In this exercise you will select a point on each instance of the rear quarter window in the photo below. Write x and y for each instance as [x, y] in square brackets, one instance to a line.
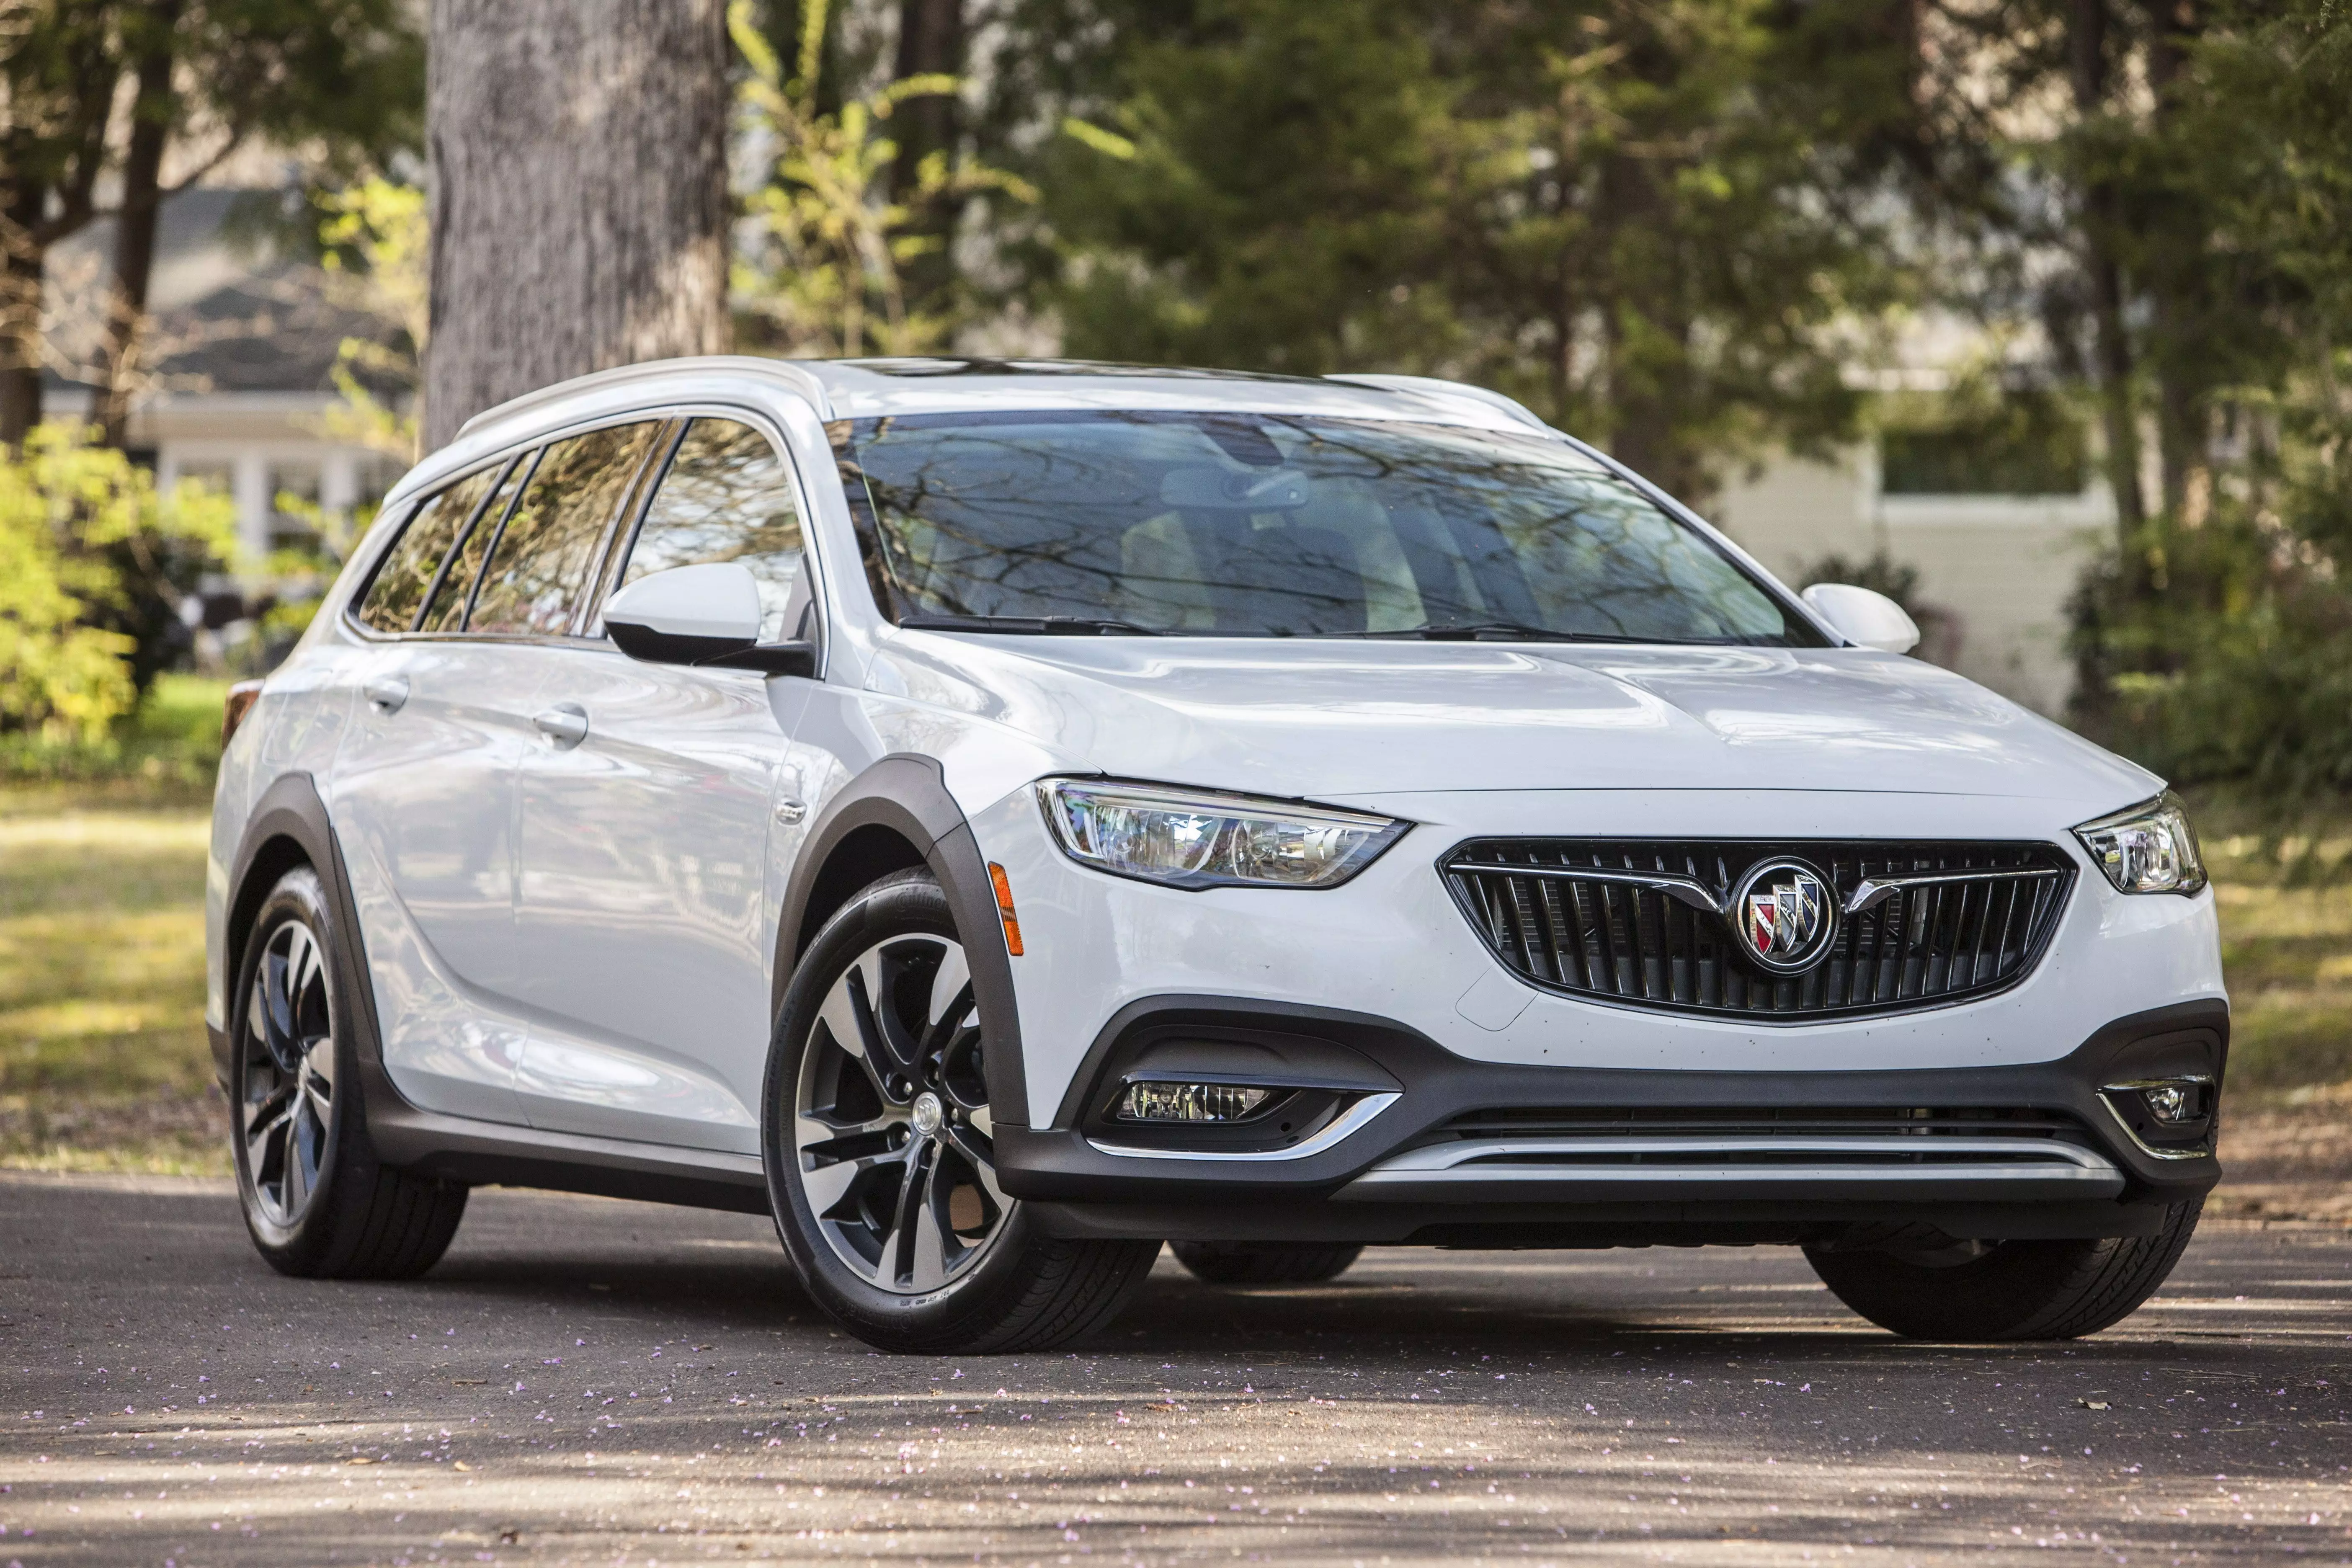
[396, 597]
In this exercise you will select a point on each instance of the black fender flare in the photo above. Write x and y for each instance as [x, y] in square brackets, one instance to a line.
[908, 796]
[288, 825]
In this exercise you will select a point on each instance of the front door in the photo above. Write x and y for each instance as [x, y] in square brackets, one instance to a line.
[639, 912]
[643, 919]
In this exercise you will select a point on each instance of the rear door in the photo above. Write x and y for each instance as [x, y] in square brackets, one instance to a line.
[644, 923]
[423, 799]
[427, 786]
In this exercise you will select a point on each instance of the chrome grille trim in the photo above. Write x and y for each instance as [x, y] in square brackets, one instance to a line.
[1646, 922]
[1986, 1155]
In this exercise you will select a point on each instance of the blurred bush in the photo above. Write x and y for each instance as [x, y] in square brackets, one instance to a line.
[95, 563]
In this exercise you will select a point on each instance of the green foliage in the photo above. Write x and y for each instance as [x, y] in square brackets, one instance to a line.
[163, 752]
[2027, 442]
[1625, 214]
[375, 249]
[2216, 644]
[828, 275]
[92, 558]
[2231, 666]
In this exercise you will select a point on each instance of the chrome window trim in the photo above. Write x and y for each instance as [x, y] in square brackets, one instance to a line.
[812, 548]
[770, 430]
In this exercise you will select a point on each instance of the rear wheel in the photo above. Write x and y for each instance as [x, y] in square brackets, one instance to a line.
[1264, 1262]
[317, 1202]
[881, 1155]
[1986, 1291]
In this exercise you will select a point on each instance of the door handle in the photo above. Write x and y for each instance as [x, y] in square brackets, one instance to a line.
[387, 691]
[566, 725]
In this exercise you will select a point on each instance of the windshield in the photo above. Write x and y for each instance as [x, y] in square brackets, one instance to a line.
[1277, 525]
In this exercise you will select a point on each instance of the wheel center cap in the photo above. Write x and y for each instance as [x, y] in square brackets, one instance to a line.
[928, 1113]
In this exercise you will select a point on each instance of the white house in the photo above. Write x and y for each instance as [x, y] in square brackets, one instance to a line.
[1998, 568]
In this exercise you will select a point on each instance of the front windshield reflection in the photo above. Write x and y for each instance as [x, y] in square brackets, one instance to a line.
[1277, 525]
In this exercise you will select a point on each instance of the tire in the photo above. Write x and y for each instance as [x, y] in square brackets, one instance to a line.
[875, 1133]
[317, 1202]
[1264, 1262]
[2004, 1290]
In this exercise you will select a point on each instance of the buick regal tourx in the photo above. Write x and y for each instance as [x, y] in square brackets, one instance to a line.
[999, 818]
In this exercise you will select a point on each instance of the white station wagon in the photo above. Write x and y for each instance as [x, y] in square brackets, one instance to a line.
[999, 818]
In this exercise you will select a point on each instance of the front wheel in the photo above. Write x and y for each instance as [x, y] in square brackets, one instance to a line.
[880, 1153]
[1989, 1291]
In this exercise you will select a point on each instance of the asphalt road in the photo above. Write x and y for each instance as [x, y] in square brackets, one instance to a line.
[594, 1381]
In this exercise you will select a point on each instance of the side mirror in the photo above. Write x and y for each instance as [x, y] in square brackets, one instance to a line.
[1870, 618]
[706, 615]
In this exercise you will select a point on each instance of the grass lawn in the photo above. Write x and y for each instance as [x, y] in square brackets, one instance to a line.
[2288, 952]
[103, 1064]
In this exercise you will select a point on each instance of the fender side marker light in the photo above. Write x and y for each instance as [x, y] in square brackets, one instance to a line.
[1004, 908]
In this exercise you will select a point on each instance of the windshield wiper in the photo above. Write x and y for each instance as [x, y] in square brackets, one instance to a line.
[1500, 631]
[1028, 626]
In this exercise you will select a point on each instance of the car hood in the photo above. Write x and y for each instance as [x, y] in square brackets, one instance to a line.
[1307, 718]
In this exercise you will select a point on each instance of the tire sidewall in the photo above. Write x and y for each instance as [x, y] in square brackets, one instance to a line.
[298, 897]
[908, 904]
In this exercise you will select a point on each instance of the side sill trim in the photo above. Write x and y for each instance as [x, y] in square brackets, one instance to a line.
[1349, 1122]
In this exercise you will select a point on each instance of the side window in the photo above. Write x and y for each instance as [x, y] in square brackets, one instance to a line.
[542, 557]
[401, 582]
[727, 497]
[447, 613]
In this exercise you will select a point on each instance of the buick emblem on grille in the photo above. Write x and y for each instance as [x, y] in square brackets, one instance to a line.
[1785, 915]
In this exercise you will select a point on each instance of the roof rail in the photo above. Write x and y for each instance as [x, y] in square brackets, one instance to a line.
[1435, 386]
[796, 375]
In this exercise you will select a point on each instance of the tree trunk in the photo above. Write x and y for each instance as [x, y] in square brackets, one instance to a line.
[152, 114]
[20, 314]
[2183, 372]
[931, 41]
[2101, 218]
[578, 173]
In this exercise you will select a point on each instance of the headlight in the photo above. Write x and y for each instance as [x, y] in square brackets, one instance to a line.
[1198, 840]
[2150, 848]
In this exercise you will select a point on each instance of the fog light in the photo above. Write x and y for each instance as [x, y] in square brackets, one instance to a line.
[1189, 1101]
[2174, 1103]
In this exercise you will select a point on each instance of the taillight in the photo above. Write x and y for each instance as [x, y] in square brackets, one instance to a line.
[240, 702]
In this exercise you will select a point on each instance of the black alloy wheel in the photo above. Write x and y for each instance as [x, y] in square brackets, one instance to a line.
[879, 1142]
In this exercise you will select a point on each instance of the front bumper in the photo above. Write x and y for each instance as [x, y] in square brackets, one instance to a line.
[1436, 1148]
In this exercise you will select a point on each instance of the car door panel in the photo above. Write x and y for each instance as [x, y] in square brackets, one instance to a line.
[644, 916]
[643, 920]
[426, 789]
[422, 800]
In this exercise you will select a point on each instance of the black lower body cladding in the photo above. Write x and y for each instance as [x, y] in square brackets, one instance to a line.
[1088, 1179]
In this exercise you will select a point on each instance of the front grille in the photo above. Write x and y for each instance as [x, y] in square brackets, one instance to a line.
[1649, 924]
